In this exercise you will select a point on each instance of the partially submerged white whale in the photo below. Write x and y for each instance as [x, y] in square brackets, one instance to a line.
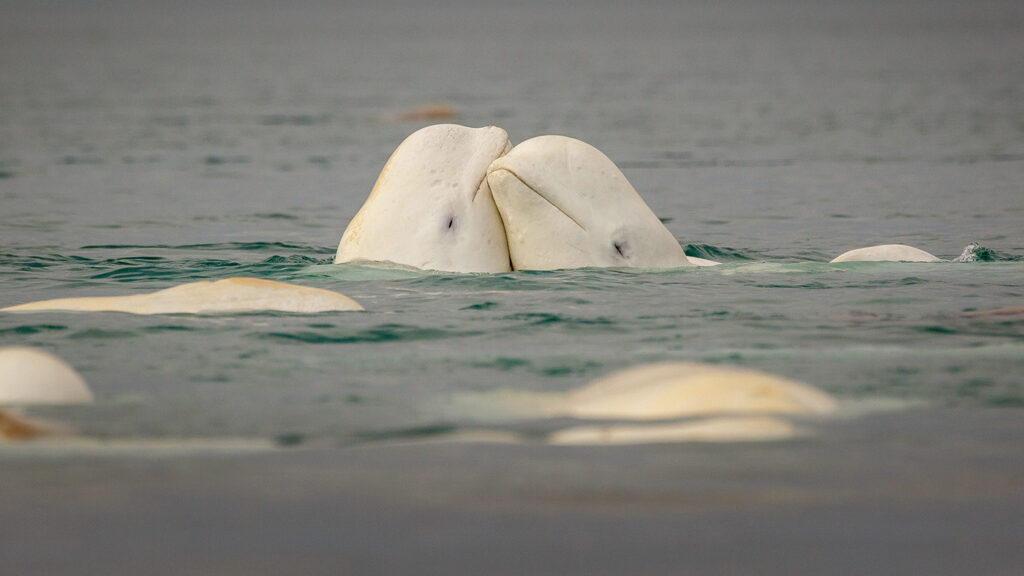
[564, 204]
[207, 297]
[431, 207]
[685, 389]
[886, 253]
[34, 376]
[29, 376]
[730, 405]
[663, 402]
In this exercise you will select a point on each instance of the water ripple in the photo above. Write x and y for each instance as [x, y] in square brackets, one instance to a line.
[377, 334]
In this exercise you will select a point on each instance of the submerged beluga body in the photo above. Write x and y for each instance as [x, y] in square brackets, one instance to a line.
[887, 253]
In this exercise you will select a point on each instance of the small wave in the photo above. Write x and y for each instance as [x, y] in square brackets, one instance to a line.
[377, 334]
[975, 252]
[101, 334]
[141, 268]
[136, 273]
[31, 329]
[180, 263]
[168, 328]
[274, 216]
[355, 272]
[413, 433]
[223, 246]
[488, 305]
[718, 253]
[533, 319]
[31, 263]
[548, 367]
[501, 363]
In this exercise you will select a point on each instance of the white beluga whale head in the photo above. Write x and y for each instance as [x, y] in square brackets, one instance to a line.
[431, 207]
[566, 205]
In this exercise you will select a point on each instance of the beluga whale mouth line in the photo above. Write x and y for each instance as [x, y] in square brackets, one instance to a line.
[571, 180]
[545, 197]
[483, 177]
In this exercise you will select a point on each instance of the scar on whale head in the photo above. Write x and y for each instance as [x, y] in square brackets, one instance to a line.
[564, 204]
[431, 207]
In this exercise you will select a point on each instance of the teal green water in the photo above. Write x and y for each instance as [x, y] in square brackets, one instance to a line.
[861, 331]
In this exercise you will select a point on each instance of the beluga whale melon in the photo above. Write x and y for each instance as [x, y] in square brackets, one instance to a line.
[431, 207]
[565, 204]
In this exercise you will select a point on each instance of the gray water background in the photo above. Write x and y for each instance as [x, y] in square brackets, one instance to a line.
[147, 144]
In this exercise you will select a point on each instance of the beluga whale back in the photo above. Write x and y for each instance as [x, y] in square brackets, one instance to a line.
[565, 204]
[431, 207]
[230, 295]
[887, 253]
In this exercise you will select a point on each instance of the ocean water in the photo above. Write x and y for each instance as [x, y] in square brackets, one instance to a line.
[148, 144]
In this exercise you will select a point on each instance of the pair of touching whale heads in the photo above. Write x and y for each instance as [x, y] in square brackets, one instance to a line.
[463, 199]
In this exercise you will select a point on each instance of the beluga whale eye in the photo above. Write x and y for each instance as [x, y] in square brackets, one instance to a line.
[564, 204]
[431, 207]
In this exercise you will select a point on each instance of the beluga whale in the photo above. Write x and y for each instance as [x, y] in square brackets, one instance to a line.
[887, 253]
[31, 377]
[230, 295]
[431, 207]
[662, 402]
[689, 402]
[564, 204]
